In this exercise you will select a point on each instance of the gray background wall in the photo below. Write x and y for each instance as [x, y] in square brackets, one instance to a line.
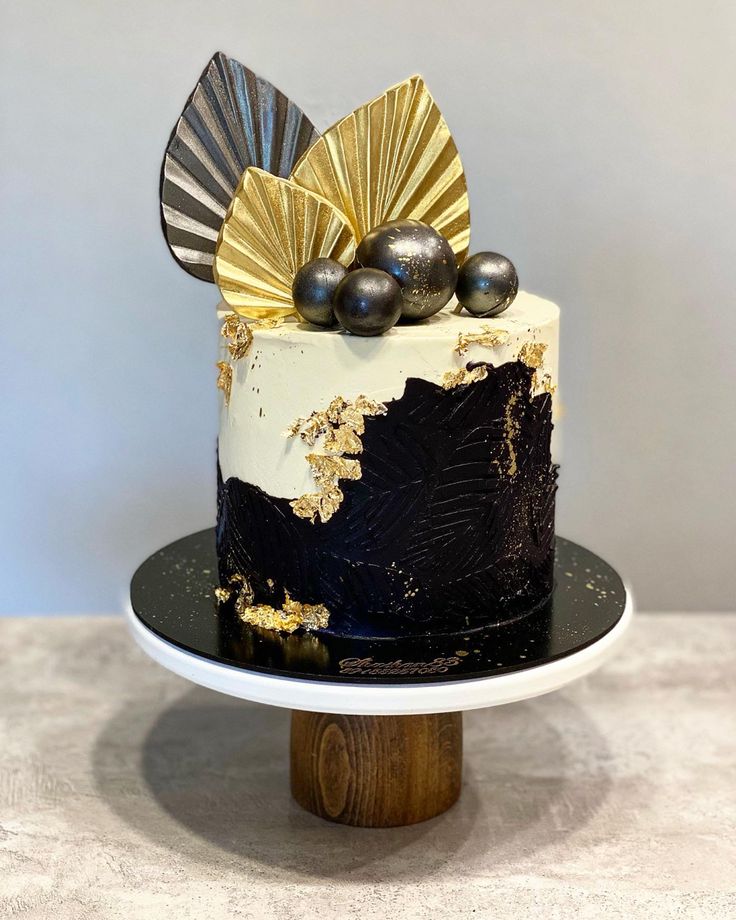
[598, 142]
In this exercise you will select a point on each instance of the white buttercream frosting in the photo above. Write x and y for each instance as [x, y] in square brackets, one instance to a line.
[294, 369]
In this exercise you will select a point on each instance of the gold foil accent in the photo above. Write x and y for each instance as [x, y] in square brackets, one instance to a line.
[487, 337]
[313, 616]
[270, 322]
[392, 158]
[318, 504]
[543, 383]
[339, 414]
[225, 379]
[327, 470]
[532, 353]
[336, 408]
[367, 406]
[238, 334]
[309, 429]
[511, 429]
[289, 618]
[343, 440]
[341, 425]
[272, 228]
[245, 592]
[452, 379]
[223, 594]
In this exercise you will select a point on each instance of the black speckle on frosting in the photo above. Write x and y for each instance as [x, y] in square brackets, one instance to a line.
[450, 527]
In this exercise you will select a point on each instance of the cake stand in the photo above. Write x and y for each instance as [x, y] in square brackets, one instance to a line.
[376, 729]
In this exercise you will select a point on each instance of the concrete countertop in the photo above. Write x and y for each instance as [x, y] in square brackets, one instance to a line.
[126, 792]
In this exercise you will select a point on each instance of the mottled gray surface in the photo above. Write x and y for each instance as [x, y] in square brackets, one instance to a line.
[127, 793]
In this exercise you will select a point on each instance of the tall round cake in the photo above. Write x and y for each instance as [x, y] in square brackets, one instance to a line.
[403, 482]
[384, 462]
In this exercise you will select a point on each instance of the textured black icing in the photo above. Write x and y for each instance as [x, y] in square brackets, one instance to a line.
[451, 526]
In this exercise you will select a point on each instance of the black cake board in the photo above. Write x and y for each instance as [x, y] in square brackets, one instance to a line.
[172, 595]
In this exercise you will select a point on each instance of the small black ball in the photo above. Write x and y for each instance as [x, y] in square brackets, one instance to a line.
[368, 301]
[314, 288]
[486, 284]
[419, 258]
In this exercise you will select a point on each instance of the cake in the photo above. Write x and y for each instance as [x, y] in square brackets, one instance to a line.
[384, 454]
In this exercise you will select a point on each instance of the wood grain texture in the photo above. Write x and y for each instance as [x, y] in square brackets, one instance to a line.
[376, 771]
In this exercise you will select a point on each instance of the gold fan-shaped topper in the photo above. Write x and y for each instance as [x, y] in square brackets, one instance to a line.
[272, 227]
[392, 158]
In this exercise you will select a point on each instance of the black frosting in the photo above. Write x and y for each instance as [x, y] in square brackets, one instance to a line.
[450, 527]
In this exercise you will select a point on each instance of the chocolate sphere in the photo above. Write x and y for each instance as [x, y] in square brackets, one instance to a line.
[419, 258]
[486, 284]
[314, 288]
[368, 301]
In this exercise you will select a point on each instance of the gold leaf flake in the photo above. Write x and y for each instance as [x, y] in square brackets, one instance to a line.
[452, 379]
[511, 429]
[313, 616]
[487, 337]
[223, 594]
[269, 618]
[532, 353]
[327, 469]
[318, 504]
[313, 428]
[270, 322]
[290, 617]
[307, 505]
[336, 407]
[369, 406]
[544, 384]
[339, 413]
[343, 440]
[245, 593]
[350, 417]
[340, 423]
[309, 428]
[225, 379]
[238, 334]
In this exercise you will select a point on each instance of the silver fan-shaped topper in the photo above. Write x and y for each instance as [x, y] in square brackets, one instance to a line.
[232, 120]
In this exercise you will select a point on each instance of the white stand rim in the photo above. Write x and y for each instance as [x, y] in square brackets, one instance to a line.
[344, 698]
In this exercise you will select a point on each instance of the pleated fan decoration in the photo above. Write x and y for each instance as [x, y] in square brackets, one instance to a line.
[233, 120]
[392, 158]
[271, 229]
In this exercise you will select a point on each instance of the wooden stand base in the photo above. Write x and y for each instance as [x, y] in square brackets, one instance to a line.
[376, 771]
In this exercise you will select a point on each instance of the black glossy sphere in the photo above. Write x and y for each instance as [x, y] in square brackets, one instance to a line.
[486, 284]
[368, 301]
[314, 289]
[419, 258]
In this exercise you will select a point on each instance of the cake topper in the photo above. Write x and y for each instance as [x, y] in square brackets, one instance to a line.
[233, 120]
[487, 284]
[392, 158]
[255, 199]
[419, 258]
[272, 228]
[313, 291]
